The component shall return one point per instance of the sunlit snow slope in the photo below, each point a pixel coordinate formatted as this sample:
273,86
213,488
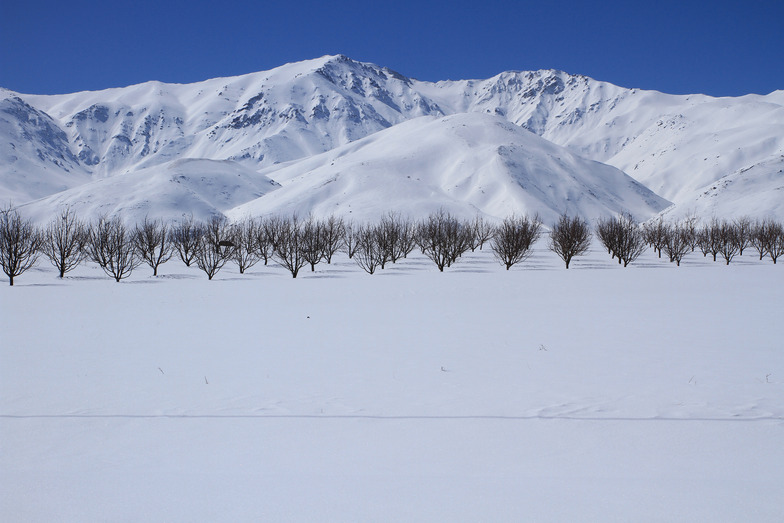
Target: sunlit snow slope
467,163
677,146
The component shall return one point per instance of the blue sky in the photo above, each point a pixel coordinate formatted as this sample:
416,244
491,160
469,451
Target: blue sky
718,48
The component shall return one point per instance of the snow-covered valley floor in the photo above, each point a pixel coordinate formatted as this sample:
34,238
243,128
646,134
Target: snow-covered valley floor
651,393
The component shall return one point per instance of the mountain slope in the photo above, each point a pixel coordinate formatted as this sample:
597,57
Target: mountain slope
35,154
466,163
675,145
170,191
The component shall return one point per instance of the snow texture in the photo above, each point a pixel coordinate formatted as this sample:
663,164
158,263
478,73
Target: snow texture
679,147
598,393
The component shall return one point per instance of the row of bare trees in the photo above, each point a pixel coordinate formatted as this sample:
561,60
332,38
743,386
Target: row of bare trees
718,238
626,240
295,243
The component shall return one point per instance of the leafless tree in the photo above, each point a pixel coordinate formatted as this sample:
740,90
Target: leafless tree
392,238
332,233
445,238
483,232
288,247
570,237
768,239
367,253
311,241
622,237
216,246
111,246
689,226
274,227
656,234
64,241
514,238
776,242
743,233
395,236
153,243
184,237
757,239
728,243
245,237
712,238
678,243
351,238
263,242
20,243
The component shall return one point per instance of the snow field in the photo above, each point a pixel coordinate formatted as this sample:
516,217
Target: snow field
651,393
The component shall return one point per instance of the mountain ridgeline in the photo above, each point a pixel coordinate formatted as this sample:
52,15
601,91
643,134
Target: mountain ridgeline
333,135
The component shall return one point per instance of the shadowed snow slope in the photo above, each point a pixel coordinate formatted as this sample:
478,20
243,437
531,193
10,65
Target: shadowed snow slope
466,163
170,191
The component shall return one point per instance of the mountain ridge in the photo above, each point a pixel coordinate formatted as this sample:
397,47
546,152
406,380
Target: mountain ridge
676,145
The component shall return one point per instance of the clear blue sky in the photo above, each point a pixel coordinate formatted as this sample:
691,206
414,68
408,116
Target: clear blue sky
713,47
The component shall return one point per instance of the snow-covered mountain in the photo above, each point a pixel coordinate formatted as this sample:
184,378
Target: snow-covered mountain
171,191
466,163
278,122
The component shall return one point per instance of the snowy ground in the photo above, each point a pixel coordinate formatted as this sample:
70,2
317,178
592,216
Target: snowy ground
651,393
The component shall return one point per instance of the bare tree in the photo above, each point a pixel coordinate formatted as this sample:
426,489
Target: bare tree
758,238
274,227
246,251
656,234
111,246
743,231
769,239
311,241
483,232
367,252
728,244
351,238
622,237
216,246
395,237
677,243
288,247
513,239
263,242
444,238
570,237
386,238
711,238
20,242
153,243
332,233
184,237
64,241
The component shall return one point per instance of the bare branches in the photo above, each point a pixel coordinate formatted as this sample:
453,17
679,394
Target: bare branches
216,246
111,246
678,242
512,240
288,245
153,243
246,252
570,237
184,237
64,241
367,252
19,243
622,237
444,238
